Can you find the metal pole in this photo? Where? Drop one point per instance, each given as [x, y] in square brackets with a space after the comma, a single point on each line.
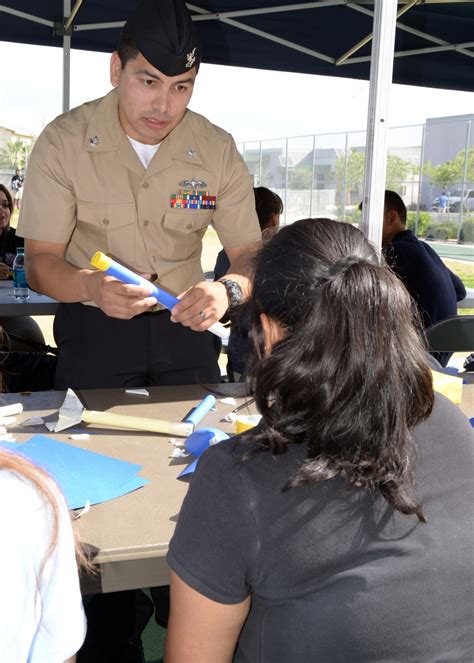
[381, 70]
[464, 178]
[346, 165]
[286, 179]
[66, 62]
[313, 165]
[420, 179]
[260, 157]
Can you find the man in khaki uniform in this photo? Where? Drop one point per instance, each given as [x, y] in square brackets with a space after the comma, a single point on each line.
[138, 176]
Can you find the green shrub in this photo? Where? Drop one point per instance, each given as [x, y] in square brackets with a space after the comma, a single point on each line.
[442, 231]
[467, 231]
[424, 220]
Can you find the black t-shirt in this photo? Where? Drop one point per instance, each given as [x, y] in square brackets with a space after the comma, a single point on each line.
[9, 242]
[334, 573]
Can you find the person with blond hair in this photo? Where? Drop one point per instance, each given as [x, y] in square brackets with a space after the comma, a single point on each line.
[41, 614]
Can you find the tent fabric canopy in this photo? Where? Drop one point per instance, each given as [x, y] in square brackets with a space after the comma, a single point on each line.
[434, 43]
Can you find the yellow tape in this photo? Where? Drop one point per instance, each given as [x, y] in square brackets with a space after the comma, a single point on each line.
[100, 261]
[246, 422]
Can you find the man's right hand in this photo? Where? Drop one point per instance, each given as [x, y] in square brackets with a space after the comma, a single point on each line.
[48, 272]
[117, 299]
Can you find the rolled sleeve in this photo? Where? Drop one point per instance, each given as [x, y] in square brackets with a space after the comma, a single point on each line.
[235, 218]
[48, 210]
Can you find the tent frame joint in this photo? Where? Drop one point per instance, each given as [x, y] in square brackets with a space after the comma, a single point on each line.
[60, 30]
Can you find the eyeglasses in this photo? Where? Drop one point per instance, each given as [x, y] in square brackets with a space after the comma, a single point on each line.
[5, 205]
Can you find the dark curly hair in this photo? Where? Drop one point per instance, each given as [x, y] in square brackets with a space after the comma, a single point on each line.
[349, 379]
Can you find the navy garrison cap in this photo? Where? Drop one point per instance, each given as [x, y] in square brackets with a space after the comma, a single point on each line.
[164, 34]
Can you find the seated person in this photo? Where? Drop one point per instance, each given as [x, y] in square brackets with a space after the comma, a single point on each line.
[27, 371]
[434, 288]
[41, 614]
[22, 330]
[339, 529]
[269, 207]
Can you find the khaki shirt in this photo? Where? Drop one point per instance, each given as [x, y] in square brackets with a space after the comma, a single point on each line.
[87, 188]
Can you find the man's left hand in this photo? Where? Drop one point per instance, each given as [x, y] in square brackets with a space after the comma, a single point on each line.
[201, 306]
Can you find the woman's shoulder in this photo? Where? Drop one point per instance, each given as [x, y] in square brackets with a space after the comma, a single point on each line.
[252, 461]
[445, 438]
[444, 416]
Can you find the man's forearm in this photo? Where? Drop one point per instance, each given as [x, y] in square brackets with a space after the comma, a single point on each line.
[54, 276]
[242, 266]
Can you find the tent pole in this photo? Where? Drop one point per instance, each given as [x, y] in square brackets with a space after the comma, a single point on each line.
[66, 61]
[381, 71]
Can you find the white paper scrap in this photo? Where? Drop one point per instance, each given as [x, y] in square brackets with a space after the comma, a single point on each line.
[7, 437]
[79, 436]
[228, 401]
[6, 421]
[138, 392]
[7, 410]
[231, 417]
[179, 453]
[33, 421]
[83, 511]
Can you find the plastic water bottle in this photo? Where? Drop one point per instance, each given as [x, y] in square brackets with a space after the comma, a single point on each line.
[20, 286]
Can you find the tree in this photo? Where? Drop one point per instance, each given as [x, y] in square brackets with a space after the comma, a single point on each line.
[398, 170]
[450, 174]
[14, 154]
[350, 171]
[300, 178]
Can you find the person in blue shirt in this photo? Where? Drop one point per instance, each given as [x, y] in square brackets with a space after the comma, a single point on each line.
[443, 202]
[433, 287]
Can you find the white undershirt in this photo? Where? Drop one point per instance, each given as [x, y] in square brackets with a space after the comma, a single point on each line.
[144, 152]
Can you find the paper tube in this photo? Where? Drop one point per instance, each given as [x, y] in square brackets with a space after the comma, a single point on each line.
[178, 428]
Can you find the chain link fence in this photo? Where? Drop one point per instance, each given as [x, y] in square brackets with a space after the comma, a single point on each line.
[431, 166]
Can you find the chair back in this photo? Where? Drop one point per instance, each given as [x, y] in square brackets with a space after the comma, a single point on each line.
[454, 334]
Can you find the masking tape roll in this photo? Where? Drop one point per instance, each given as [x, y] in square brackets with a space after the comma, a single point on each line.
[246, 422]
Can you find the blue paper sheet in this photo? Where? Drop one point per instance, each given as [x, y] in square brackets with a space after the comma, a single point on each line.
[82, 475]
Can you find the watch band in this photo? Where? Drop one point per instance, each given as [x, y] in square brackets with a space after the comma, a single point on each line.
[234, 291]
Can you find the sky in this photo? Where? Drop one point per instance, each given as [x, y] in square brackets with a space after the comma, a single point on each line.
[252, 104]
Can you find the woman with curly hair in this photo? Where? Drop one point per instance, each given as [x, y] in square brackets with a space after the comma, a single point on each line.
[341, 528]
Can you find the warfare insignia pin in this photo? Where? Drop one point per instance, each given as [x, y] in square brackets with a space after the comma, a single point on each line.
[94, 141]
[190, 58]
[193, 184]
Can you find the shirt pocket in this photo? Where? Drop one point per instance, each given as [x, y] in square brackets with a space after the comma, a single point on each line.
[109, 228]
[183, 232]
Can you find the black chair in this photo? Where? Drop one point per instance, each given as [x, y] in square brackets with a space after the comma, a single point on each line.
[454, 334]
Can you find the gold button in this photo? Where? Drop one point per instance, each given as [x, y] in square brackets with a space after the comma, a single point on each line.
[105, 222]
[189, 226]
[146, 222]
[145, 185]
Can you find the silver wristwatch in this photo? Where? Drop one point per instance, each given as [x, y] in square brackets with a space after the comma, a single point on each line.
[234, 291]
